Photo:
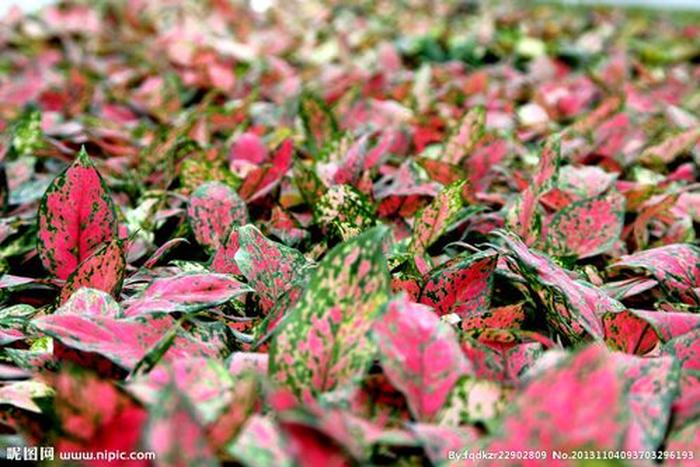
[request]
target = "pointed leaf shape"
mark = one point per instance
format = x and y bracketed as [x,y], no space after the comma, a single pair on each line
[666,151]
[320,125]
[125,341]
[572,307]
[523,217]
[463,141]
[433,220]
[589,227]
[103,270]
[76,215]
[272,269]
[264,178]
[420,355]
[323,343]
[224,258]
[461,285]
[213,209]
[186,292]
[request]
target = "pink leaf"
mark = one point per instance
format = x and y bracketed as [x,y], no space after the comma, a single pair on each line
[186,292]
[214,208]
[589,227]
[76,215]
[420,355]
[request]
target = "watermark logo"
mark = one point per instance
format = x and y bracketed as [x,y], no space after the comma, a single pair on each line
[47,453]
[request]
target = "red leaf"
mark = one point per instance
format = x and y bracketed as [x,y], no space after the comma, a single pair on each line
[224,258]
[461,285]
[675,267]
[263,179]
[76,215]
[123,341]
[103,270]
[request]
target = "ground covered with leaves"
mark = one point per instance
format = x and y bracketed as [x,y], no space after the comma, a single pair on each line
[350,233]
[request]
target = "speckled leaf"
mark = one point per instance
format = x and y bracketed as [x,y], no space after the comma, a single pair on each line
[186,292]
[175,434]
[589,227]
[524,218]
[90,302]
[469,131]
[553,412]
[272,269]
[420,355]
[123,341]
[500,361]
[323,342]
[433,220]
[574,308]
[344,211]
[627,332]
[666,151]
[651,385]
[22,394]
[686,348]
[503,317]
[224,258]
[213,209]
[103,270]
[76,215]
[461,285]
[675,267]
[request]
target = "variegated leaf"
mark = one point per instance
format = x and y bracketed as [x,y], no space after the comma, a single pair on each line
[323,342]
[76,215]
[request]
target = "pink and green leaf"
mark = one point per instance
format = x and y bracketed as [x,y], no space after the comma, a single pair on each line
[272,269]
[215,208]
[76,216]
[589,227]
[461,285]
[434,220]
[465,137]
[323,342]
[187,292]
[103,270]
